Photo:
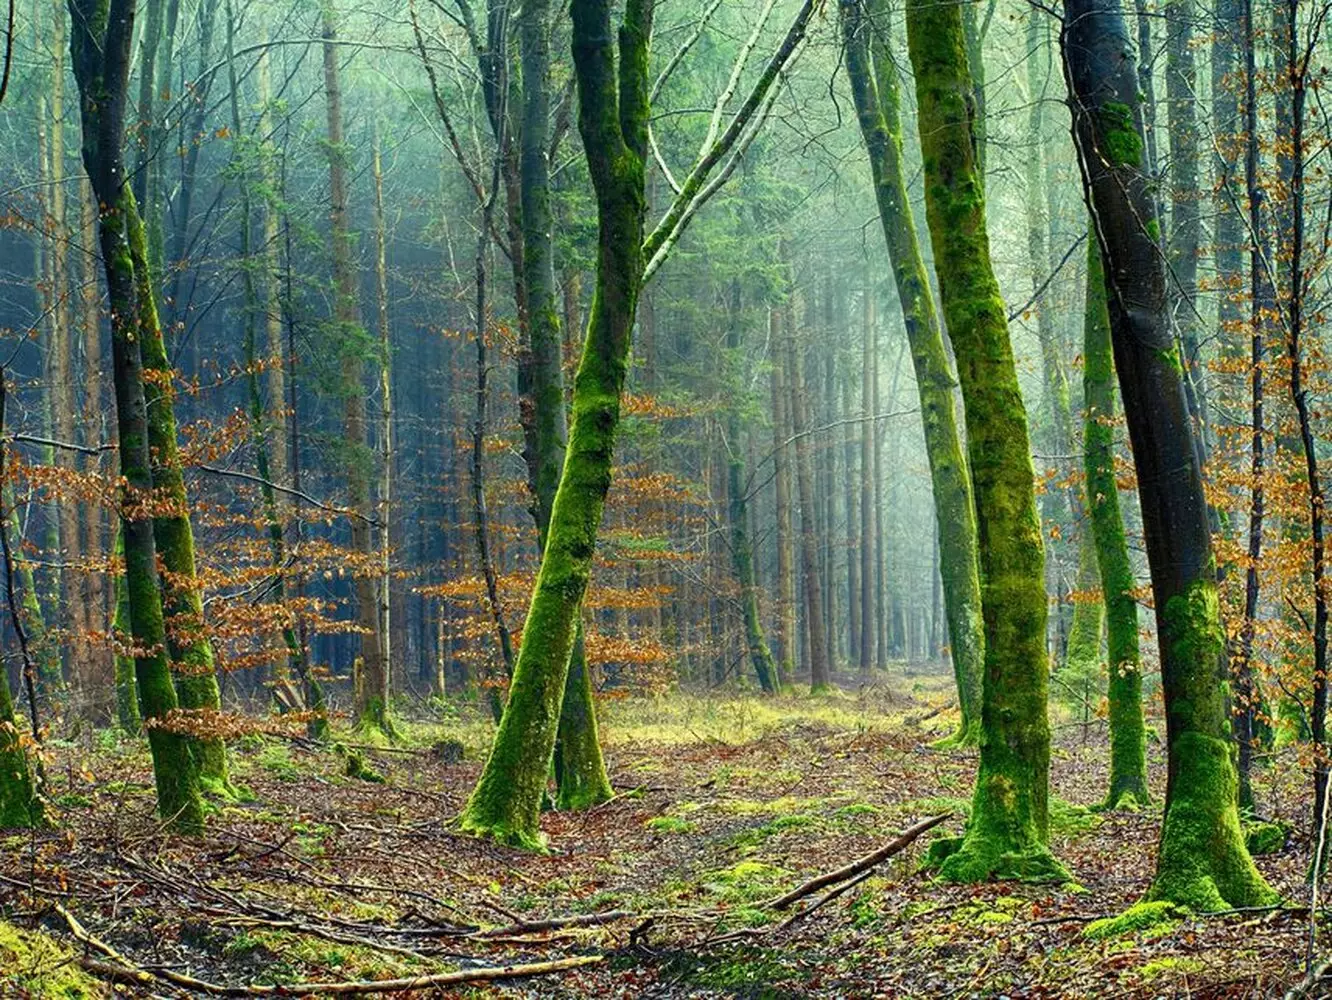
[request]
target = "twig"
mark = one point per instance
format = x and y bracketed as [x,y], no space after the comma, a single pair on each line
[827,897]
[856,867]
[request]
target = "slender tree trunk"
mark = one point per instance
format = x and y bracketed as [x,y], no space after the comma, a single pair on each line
[384,505]
[873,78]
[1245,711]
[819,678]
[372,693]
[1202,861]
[613,113]
[781,459]
[1128,760]
[1009,824]
[869,477]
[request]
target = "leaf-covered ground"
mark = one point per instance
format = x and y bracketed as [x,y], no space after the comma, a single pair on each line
[724,802]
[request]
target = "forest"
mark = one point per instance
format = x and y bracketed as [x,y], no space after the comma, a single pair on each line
[665,498]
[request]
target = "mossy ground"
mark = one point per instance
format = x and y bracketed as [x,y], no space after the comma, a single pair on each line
[723,801]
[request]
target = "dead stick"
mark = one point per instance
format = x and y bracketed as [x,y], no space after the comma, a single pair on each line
[555,923]
[856,867]
[827,897]
[128,974]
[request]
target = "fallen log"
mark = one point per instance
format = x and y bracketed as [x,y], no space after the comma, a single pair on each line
[856,867]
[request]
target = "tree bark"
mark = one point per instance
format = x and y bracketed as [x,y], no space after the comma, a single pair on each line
[1009,824]
[781,431]
[372,693]
[1128,759]
[101,57]
[1202,861]
[873,78]
[613,113]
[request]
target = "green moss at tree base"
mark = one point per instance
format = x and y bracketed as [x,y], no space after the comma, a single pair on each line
[1262,837]
[1203,861]
[968,735]
[1138,917]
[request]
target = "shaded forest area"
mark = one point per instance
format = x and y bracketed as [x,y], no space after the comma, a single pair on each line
[664,498]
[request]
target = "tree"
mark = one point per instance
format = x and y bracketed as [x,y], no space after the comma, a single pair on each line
[1202,861]
[874,88]
[1009,824]
[101,56]
[372,687]
[1128,753]
[612,119]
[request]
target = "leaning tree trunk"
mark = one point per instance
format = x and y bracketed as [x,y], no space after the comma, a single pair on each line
[612,118]
[873,78]
[1128,752]
[580,771]
[1009,824]
[101,51]
[1202,861]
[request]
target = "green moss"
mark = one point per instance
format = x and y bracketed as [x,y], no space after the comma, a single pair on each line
[355,766]
[1265,838]
[35,965]
[1119,135]
[1154,229]
[670,824]
[746,882]
[1171,965]
[1139,917]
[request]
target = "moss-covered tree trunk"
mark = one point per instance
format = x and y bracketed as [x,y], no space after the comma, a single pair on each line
[1009,824]
[1202,861]
[101,51]
[1128,757]
[188,645]
[127,691]
[612,119]
[874,88]
[580,771]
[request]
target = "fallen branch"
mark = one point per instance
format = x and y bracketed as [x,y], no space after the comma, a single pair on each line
[131,974]
[827,897]
[524,927]
[856,867]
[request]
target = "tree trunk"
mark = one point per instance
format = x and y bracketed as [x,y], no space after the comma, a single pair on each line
[613,112]
[1009,824]
[873,78]
[819,679]
[1128,760]
[869,476]
[1202,861]
[781,432]
[384,602]
[372,694]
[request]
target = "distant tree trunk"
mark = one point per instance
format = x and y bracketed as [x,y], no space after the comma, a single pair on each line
[101,58]
[1128,756]
[613,114]
[1293,309]
[874,88]
[1245,710]
[96,675]
[819,678]
[1202,861]
[870,556]
[1009,824]
[1185,216]
[384,505]
[742,552]
[853,478]
[781,460]
[372,693]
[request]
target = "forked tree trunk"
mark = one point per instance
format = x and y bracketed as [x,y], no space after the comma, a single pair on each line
[613,114]
[101,51]
[1202,861]
[1009,825]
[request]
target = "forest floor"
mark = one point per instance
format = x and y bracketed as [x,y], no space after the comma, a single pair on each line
[724,802]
